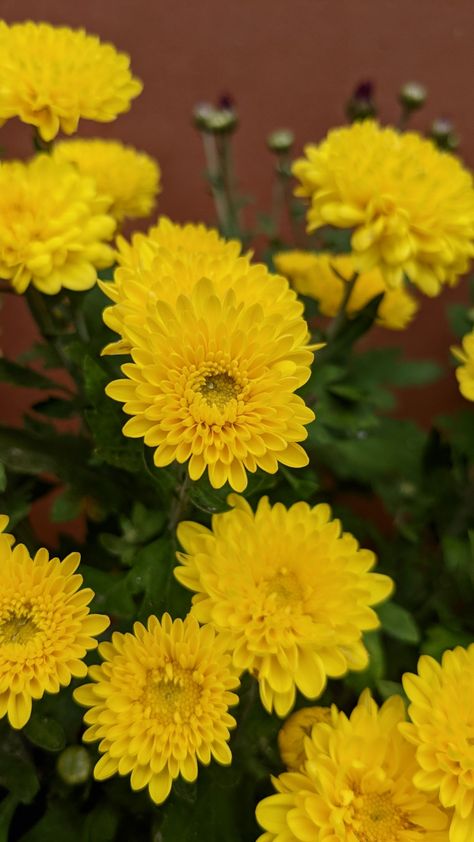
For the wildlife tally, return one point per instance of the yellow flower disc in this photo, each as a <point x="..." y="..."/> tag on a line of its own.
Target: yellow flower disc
<point x="442" y="729"/>
<point x="53" y="225"/>
<point x="465" y="372"/>
<point x="45" y="626"/>
<point x="356" y="786"/>
<point x="159" y="703"/>
<point x="128" y="178"/>
<point x="324" y="277"/>
<point x="53" y="76"/>
<point x="298" y="726"/>
<point x="297" y="615"/>
<point x="410" y="205"/>
<point x="213" y="384"/>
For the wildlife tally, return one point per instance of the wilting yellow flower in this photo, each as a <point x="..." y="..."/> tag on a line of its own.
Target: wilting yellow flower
<point x="410" y="205"/>
<point x="356" y="785"/>
<point x="45" y="626"/>
<point x="170" y="261"/>
<point x="212" y="383"/>
<point x="324" y="276"/>
<point x="465" y="372"/>
<point x="52" y="76"/>
<point x="298" y="726"/>
<point x="159" y="703"/>
<point x="442" y="729"/>
<point x="129" y="179"/>
<point x="298" y="613"/>
<point x="52" y="226"/>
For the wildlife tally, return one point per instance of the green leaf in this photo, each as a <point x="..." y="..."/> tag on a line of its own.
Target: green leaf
<point x="398" y="622"/>
<point x="389" y="688"/>
<point x="376" y="669"/>
<point x="3" y="477"/>
<point x="43" y="453"/>
<point x="7" y="810"/>
<point x="45" y="732"/>
<point x="67" y="506"/>
<point x="60" y="822"/>
<point x="439" y="638"/>
<point x="21" y="375"/>
<point x="17" y="773"/>
<point x="56" y="408"/>
<point x="101" y="824"/>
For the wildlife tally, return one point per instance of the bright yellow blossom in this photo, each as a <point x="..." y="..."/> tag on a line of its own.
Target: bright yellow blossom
<point x="53" y="226"/>
<point x="465" y="372"/>
<point x="356" y="786"/>
<point x="45" y="626"/>
<point x="324" y="276"/>
<point x="442" y="729"/>
<point x="159" y="703"/>
<point x="53" y="76"/>
<point x="410" y="205"/>
<point x="298" y="726"/>
<point x="130" y="179"/>
<point x="297" y="613"/>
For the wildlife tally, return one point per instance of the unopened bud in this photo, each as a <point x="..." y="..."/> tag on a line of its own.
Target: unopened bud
<point x="412" y="96"/>
<point x="74" y="765"/>
<point x="443" y="134"/>
<point x="202" y="114"/>
<point x="361" y="105"/>
<point x="222" y="121"/>
<point x="280" y="140"/>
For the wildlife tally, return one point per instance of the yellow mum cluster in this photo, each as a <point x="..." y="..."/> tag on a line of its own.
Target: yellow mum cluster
<point x="465" y="372"/>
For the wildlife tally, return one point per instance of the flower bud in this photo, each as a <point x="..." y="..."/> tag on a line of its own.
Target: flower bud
<point x="74" y="765"/>
<point x="202" y="114"/>
<point x="443" y="134"/>
<point x="361" y="105"/>
<point x="412" y="96"/>
<point x="280" y="140"/>
<point x="222" y="121"/>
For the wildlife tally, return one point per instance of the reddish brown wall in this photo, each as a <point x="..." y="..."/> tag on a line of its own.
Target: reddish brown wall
<point x="286" y="62"/>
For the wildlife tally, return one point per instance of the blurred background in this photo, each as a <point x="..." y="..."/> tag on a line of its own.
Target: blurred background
<point x="286" y="63"/>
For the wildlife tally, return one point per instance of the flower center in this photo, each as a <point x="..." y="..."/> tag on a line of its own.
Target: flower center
<point x="376" y="819"/>
<point x="218" y="389"/>
<point x="18" y="627"/>
<point x="284" y="588"/>
<point x="173" y="694"/>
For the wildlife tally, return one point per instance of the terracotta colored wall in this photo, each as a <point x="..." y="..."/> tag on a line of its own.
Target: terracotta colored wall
<point x="286" y="62"/>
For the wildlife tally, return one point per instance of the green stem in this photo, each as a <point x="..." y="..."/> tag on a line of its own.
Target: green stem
<point x="42" y="315"/>
<point x="212" y="166"/>
<point x="404" y="119"/>
<point x="338" y="321"/>
<point x="227" y="175"/>
<point x="179" y="503"/>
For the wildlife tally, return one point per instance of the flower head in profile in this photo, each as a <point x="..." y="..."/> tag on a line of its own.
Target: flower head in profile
<point x="297" y="615"/>
<point x="53" y="226"/>
<point x="465" y="372"/>
<point x="130" y="179"/>
<point x="324" y="277"/>
<point x="356" y="786"/>
<point x="442" y="730"/>
<point x="54" y="76"/>
<point x="45" y="626"/>
<point x="411" y="207"/>
<point x="212" y="383"/>
<point x="292" y="737"/>
<point x="159" y="703"/>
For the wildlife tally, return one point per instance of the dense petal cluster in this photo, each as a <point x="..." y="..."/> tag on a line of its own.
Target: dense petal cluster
<point x="45" y="626"/>
<point x="170" y="261"/>
<point x="356" y="786"/>
<point x="292" y="737"/>
<point x="465" y="372"/>
<point x="53" y="226"/>
<point x="53" y="76"/>
<point x="159" y="703"/>
<point x="324" y="277"/>
<point x="410" y="205"/>
<point x="212" y="383"/>
<point x="128" y="178"/>
<point x="297" y="615"/>
<point x="442" y="729"/>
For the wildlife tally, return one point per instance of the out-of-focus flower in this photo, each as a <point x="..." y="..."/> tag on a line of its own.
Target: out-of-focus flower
<point x="298" y="726"/>
<point x="53" y="76"/>
<point x="465" y="372"/>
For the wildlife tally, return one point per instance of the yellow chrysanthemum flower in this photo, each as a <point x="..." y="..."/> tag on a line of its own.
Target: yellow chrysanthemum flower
<point x="130" y="179"/>
<point x="298" y="613"/>
<point x="442" y="729"/>
<point x="159" y="703"/>
<point x="357" y="785"/>
<point x="52" y="226"/>
<point x="45" y="626"/>
<point x="298" y="726"/>
<point x="213" y="384"/>
<point x="465" y="372"/>
<point x="53" y="76"/>
<point x="410" y="205"/>
<point x="323" y="276"/>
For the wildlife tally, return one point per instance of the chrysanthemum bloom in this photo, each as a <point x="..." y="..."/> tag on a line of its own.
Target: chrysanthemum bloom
<point x="298" y="726"/>
<point x="53" y="226"/>
<point x="410" y="205"/>
<point x="357" y="785"/>
<point x="159" y="703"/>
<point x="170" y="261"/>
<point x="53" y="76"/>
<point x="442" y="729"/>
<point x="465" y="372"/>
<point x="130" y="179"/>
<point x="324" y="276"/>
<point x="213" y="384"/>
<point x="45" y="626"/>
<point x="298" y="613"/>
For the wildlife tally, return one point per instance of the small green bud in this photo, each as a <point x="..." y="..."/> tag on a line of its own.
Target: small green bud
<point x="443" y="134"/>
<point x="202" y="114"/>
<point x="74" y="765"/>
<point x="412" y="96"/>
<point x="222" y="121"/>
<point x="361" y="105"/>
<point x="280" y="141"/>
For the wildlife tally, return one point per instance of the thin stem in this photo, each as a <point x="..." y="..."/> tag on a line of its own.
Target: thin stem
<point x="279" y="197"/>
<point x="45" y="322"/>
<point x="212" y="165"/>
<point x="180" y="502"/>
<point x="340" y="317"/>
<point x="404" y="119"/>
<point x="227" y="175"/>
